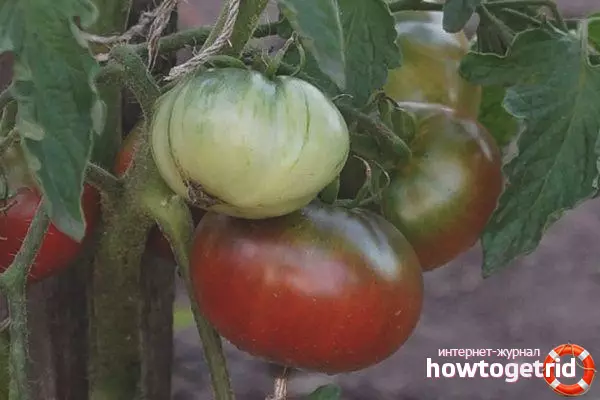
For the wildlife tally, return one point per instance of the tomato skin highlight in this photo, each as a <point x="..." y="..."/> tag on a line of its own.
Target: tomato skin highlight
<point x="323" y="289"/>
<point x="430" y="61"/>
<point x="57" y="250"/>
<point x="442" y="200"/>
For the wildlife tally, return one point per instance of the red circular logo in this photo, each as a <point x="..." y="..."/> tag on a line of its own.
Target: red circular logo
<point x="582" y="358"/>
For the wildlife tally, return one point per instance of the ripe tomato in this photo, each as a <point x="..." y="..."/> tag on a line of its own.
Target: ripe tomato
<point x="57" y="250"/>
<point x="430" y="61"/>
<point x="157" y="242"/>
<point x="444" y="197"/>
<point x="261" y="146"/>
<point x="324" y="288"/>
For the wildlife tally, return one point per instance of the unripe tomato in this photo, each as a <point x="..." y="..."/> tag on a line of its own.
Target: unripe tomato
<point x="324" y="289"/>
<point x="157" y="242"/>
<point x="261" y="146"/>
<point x="430" y="61"/>
<point x="57" y="250"/>
<point x="442" y="199"/>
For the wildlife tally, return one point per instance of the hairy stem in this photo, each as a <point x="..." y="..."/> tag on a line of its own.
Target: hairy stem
<point x="196" y="37"/>
<point x="138" y="78"/>
<point x="175" y="221"/>
<point x="104" y="181"/>
<point x="8" y="118"/>
<point x="245" y="25"/>
<point x="5" y="97"/>
<point x="418" y="5"/>
<point x="377" y="129"/>
<point x="522" y="3"/>
<point x="7" y="141"/>
<point x="13" y="284"/>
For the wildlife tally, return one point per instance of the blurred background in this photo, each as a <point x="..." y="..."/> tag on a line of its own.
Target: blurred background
<point x="543" y="300"/>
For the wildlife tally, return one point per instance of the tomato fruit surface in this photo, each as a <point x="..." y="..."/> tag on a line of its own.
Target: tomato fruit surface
<point x="157" y="242"/>
<point x="442" y="199"/>
<point x="260" y="146"/>
<point x="324" y="289"/>
<point x="57" y="250"/>
<point x="430" y="61"/>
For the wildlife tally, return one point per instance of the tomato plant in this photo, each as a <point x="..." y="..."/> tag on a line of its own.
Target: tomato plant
<point x="157" y="243"/>
<point x="444" y="196"/>
<point x="299" y="260"/>
<point x="260" y="146"/>
<point x="325" y="288"/>
<point x="430" y="61"/>
<point x="20" y="202"/>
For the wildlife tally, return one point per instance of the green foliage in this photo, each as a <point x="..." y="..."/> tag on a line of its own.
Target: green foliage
<point x="553" y="87"/>
<point x="594" y="29"/>
<point x="327" y="392"/>
<point x="503" y="126"/>
<point x="58" y="106"/>
<point x="369" y="47"/>
<point x="457" y="13"/>
<point x="320" y="28"/>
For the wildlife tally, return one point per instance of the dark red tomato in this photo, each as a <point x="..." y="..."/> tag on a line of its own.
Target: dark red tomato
<point x="156" y="240"/>
<point x="444" y="197"/>
<point x="324" y="289"/>
<point x="57" y="250"/>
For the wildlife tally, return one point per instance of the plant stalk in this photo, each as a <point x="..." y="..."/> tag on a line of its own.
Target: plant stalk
<point x="175" y="221"/>
<point x="550" y="4"/>
<point x="5" y="97"/>
<point x="13" y="284"/>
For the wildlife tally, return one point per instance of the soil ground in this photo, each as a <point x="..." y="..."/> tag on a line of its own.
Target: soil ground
<point x="549" y="297"/>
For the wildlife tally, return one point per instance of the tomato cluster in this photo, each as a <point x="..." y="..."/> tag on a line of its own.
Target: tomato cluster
<point x="291" y="279"/>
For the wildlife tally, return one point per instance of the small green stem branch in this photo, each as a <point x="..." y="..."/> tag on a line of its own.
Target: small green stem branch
<point x="13" y="285"/>
<point x="138" y="78"/>
<point x="245" y="25"/>
<point x="175" y="221"/>
<point x="5" y="97"/>
<point x="8" y="118"/>
<point x="524" y="3"/>
<point x="4" y="363"/>
<point x="7" y="141"/>
<point x="196" y="37"/>
<point x="417" y="5"/>
<point x="104" y="181"/>
<point x="376" y="129"/>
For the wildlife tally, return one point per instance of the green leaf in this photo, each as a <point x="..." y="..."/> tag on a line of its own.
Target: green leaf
<point x="320" y="29"/>
<point x="327" y="392"/>
<point x="594" y="29"/>
<point x="502" y="125"/>
<point x="59" y="108"/>
<point x="370" y="50"/>
<point x="553" y="87"/>
<point x="457" y="13"/>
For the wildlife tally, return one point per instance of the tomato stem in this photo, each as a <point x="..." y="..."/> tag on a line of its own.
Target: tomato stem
<point x="103" y="180"/>
<point x="5" y="97"/>
<point x="8" y="119"/>
<point x="550" y="4"/>
<point x="377" y="129"/>
<point x="174" y="219"/>
<point x="138" y="78"/>
<point x="4" y="358"/>
<point x="13" y="285"/>
<point x="7" y="141"/>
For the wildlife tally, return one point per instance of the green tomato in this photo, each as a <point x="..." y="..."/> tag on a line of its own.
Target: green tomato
<point x="262" y="147"/>
<point x="430" y="61"/>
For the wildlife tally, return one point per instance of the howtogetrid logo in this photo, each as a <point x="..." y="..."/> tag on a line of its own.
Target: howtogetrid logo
<point x="553" y="370"/>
